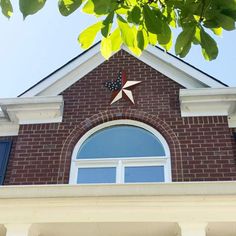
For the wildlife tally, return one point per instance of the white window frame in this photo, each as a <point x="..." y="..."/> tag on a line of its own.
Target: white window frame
<point x="121" y="163"/>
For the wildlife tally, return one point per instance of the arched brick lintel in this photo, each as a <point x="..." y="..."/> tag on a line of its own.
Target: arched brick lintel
<point x="132" y="114"/>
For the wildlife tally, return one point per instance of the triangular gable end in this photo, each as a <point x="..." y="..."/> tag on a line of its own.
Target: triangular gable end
<point x="43" y="103"/>
<point x="172" y="67"/>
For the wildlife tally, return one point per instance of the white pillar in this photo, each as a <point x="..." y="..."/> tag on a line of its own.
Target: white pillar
<point x="192" y="229"/>
<point x="17" y="229"/>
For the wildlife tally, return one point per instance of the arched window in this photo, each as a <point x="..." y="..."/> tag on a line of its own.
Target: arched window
<point x="121" y="151"/>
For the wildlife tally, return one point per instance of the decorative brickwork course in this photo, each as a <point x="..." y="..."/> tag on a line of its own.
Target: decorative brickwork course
<point x="202" y="148"/>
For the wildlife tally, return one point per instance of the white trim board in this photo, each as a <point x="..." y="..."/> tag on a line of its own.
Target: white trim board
<point x="209" y="102"/>
<point x="34" y="110"/>
<point x="168" y="202"/>
<point x="207" y="188"/>
<point x="168" y="65"/>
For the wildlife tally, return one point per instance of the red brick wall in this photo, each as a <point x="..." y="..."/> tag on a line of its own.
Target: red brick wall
<point x="202" y="148"/>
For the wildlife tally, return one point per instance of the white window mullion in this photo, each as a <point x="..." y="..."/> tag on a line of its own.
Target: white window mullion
<point x="119" y="172"/>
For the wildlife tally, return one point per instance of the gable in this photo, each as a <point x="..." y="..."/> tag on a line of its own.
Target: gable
<point x="155" y="93"/>
<point x="170" y="66"/>
<point x="161" y="72"/>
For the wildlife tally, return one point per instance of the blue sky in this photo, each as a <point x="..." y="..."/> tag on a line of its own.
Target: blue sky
<point x="33" y="48"/>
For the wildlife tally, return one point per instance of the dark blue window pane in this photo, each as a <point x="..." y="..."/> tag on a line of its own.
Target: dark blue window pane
<point x="140" y="174"/>
<point x="5" y="147"/>
<point x="121" y="141"/>
<point x="96" y="175"/>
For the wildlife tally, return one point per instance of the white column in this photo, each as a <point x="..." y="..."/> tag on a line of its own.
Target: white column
<point x="17" y="229"/>
<point x="192" y="228"/>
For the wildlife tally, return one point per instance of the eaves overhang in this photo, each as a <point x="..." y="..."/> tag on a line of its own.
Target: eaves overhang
<point x="31" y="110"/>
<point x="209" y="102"/>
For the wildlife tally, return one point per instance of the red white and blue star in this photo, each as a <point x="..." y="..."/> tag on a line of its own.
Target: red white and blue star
<point x="121" y="87"/>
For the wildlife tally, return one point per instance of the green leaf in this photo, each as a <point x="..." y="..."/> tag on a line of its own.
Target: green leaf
<point x="122" y="11"/>
<point x="89" y="7"/>
<point x="197" y="36"/>
<point x="211" y="23"/>
<point x="152" y="38"/>
<point x="217" y="31"/>
<point x="226" y="22"/>
<point x="87" y="37"/>
<point x="229" y="12"/>
<point x="132" y="2"/>
<point x="228" y="4"/>
<point x="126" y="32"/>
<point x="152" y="22"/>
<point x="165" y="37"/>
<point x="7" y="9"/>
<point x="30" y="7"/>
<point x="135" y="48"/>
<point x="100" y="7"/>
<point x="116" y="40"/>
<point x="183" y="41"/>
<point x="134" y="15"/>
<point x="142" y="39"/>
<point x="209" y="46"/>
<point x="66" y="7"/>
<point x="167" y="46"/>
<point x="107" y="24"/>
<point x="172" y="18"/>
<point x="106" y="47"/>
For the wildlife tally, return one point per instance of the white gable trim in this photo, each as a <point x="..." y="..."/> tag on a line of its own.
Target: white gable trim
<point x="176" y="69"/>
<point x="170" y="66"/>
<point x="68" y="75"/>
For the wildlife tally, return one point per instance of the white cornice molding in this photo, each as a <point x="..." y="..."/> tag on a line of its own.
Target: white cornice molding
<point x="32" y="110"/>
<point x="8" y="128"/>
<point x="210" y="188"/>
<point x="209" y="102"/>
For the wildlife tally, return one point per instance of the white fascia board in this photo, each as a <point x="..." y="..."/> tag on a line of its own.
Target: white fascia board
<point x="21" y="101"/>
<point x="32" y="110"/>
<point x="68" y="75"/>
<point x="209" y="102"/>
<point x="211" y="188"/>
<point x="175" y="69"/>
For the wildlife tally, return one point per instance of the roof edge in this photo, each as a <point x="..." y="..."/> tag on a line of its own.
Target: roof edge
<point x="201" y="78"/>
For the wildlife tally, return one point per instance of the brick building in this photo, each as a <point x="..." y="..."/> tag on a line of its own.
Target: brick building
<point x="90" y="150"/>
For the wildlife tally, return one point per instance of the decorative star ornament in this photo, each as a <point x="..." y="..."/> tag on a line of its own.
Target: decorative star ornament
<point x="121" y="87"/>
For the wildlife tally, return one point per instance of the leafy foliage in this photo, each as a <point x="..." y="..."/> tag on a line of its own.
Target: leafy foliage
<point x="139" y="23"/>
